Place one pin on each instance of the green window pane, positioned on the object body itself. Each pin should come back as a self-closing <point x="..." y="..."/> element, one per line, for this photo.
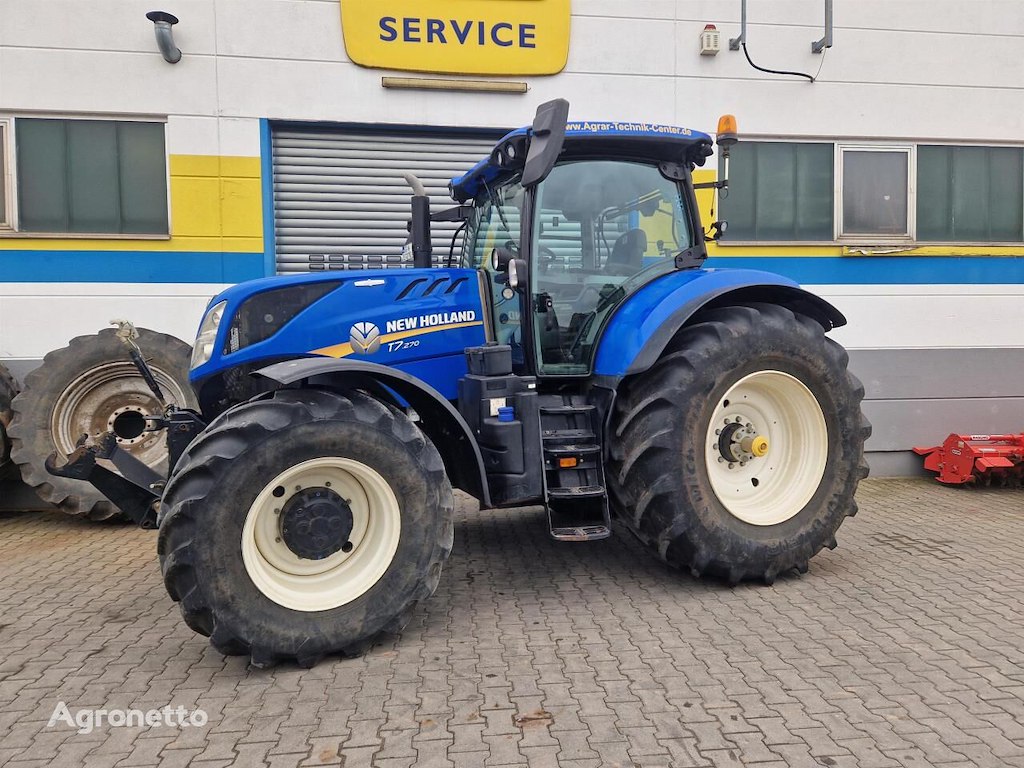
<point x="776" y="192"/>
<point x="934" y="193"/>
<point x="92" y="177"/>
<point x="738" y="206"/>
<point x="814" y="175"/>
<point x="143" y="178"/>
<point x="970" y="194"/>
<point x="1006" y="194"/>
<point x="42" y="175"/>
<point x="779" y="191"/>
<point x="93" y="194"/>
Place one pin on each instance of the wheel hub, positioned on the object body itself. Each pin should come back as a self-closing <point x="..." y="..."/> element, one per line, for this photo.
<point x="738" y="442"/>
<point x="316" y="523"/>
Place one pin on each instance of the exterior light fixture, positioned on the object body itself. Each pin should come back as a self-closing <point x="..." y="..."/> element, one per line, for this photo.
<point x="163" y="22"/>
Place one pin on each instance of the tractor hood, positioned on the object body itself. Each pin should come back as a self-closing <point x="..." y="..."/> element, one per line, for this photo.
<point x="416" y="320"/>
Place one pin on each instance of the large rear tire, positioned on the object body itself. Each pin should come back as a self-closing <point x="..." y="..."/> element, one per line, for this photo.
<point x="8" y="391"/>
<point x="738" y="454"/>
<point x="91" y="387"/>
<point x="305" y="523"/>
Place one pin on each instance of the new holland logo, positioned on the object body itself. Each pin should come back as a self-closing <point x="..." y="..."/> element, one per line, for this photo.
<point x="365" y="338"/>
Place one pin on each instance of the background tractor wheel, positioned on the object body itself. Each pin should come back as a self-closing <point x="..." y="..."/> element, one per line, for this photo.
<point x="8" y="389"/>
<point x="91" y="387"/>
<point x="305" y="523"/>
<point x="738" y="454"/>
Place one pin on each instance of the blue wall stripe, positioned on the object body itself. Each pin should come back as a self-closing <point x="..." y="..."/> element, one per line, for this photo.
<point x="267" y="181"/>
<point x="885" y="270"/>
<point x="128" y="267"/>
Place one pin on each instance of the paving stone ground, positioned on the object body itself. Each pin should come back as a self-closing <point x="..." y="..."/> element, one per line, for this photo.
<point x="904" y="647"/>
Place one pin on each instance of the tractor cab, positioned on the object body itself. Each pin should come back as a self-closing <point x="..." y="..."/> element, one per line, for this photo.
<point x="564" y="248"/>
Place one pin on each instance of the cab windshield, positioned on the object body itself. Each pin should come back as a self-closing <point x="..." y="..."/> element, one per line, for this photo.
<point x="603" y="230"/>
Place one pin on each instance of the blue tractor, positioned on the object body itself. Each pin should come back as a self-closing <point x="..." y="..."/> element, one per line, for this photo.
<point x="577" y="356"/>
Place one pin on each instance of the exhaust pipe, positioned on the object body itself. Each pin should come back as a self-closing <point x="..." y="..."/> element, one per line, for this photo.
<point x="419" y="227"/>
<point x="163" y="22"/>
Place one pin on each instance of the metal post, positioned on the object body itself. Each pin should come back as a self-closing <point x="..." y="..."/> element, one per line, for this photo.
<point x="826" y="41"/>
<point x="735" y="42"/>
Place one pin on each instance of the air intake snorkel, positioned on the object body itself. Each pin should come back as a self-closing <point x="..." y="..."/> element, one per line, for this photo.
<point x="419" y="226"/>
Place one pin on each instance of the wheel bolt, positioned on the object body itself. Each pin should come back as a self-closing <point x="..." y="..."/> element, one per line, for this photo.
<point x="731" y="465"/>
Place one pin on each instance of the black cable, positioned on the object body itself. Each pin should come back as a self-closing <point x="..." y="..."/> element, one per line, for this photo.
<point x="451" y="249"/>
<point x="774" y="71"/>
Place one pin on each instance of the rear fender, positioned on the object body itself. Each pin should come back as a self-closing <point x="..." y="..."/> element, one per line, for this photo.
<point x="643" y="325"/>
<point x="439" y="419"/>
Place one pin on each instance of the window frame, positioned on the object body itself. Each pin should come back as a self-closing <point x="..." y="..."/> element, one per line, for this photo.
<point x="7" y="179"/>
<point x="841" y="236"/>
<point x="908" y="242"/>
<point x="10" y="229"/>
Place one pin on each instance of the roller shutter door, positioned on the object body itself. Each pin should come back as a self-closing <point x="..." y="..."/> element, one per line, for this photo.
<point x="340" y="200"/>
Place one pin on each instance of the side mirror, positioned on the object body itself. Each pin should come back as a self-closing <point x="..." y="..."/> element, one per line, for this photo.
<point x="546" y="139"/>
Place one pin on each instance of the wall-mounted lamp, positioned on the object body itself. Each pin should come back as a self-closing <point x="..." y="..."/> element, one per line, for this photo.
<point x="163" y="22"/>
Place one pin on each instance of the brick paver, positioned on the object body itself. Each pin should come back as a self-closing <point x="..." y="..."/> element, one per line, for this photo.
<point x="904" y="647"/>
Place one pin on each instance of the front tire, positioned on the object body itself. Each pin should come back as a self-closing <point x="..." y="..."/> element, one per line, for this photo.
<point x="255" y="565"/>
<point x="738" y="454"/>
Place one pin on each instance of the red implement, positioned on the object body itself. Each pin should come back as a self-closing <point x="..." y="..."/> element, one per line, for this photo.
<point x="982" y="459"/>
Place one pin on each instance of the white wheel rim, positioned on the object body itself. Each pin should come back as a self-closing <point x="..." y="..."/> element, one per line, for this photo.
<point x="773" y="488"/>
<point x="320" y="585"/>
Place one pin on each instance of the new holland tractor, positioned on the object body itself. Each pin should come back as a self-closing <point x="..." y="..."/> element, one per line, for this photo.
<point x="577" y="357"/>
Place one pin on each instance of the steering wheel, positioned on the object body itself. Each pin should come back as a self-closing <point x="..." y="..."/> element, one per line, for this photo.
<point x="545" y="258"/>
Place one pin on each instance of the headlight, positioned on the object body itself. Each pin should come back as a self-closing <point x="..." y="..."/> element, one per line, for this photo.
<point x="207" y="336"/>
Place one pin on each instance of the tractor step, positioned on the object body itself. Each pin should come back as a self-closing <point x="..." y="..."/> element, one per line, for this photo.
<point x="584" y="533"/>
<point x="579" y="492"/>
<point x="565" y="410"/>
<point x="577" y="500"/>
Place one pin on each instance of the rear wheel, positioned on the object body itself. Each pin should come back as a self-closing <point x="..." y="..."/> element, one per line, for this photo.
<point x="91" y="387"/>
<point x="303" y="524"/>
<point x="738" y="454"/>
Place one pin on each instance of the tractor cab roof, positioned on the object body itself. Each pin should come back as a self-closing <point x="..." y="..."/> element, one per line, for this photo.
<point x="643" y="142"/>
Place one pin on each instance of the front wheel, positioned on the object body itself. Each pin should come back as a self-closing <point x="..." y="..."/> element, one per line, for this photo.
<point x="305" y="523"/>
<point x="738" y="454"/>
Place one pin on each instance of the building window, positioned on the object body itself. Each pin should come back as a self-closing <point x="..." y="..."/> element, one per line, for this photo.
<point x="101" y="177"/>
<point x="876" y="192"/>
<point x="970" y="194"/>
<point x="780" y="191"/>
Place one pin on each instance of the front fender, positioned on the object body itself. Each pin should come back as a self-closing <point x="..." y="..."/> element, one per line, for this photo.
<point x="439" y="419"/>
<point x="643" y="325"/>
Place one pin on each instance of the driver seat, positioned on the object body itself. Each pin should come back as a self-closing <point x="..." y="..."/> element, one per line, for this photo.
<point x="628" y="253"/>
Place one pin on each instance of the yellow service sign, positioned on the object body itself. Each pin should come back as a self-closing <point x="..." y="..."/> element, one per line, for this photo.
<point x="471" y="37"/>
